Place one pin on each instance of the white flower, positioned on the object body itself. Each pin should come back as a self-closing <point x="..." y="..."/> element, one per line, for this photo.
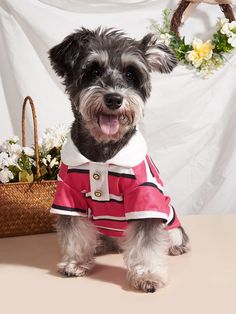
<point x="53" y="163"/>
<point x="44" y="161"/>
<point x="15" y="149"/>
<point x="4" y="160"/>
<point x="225" y="29"/>
<point x="49" y="158"/>
<point x="13" y="159"/>
<point x="6" y="175"/>
<point x="11" y="147"/>
<point x="232" y="41"/>
<point x="6" y="146"/>
<point x="28" y="151"/>
<point x="53" y="137"/>
<point x="165" y="38"/>
<point x="229" y="29"/>
<point x="221" y="22"/>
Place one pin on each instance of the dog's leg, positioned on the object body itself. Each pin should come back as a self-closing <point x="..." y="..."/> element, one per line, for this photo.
<point x="78" y="239"/>
<point x="145" y="252"/>
<point x="179" y="241"/>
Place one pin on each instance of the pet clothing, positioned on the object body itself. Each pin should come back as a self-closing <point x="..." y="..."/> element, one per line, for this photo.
<point x="112" y="193"/>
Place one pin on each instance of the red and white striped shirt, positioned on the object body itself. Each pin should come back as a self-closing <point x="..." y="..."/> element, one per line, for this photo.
<point x="115" y="192"/>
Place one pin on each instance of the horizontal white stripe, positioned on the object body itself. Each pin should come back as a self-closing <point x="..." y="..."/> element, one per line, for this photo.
<point x="113" y="229"/>
<point x="81" y="167"/>
<point x="146" y="214"/>
<point x="111" y="197"/>
<point x="66" y="212"/>
<point x="116" y="197"/>
<point x="119" y="170"/>
<point x="110" y="217"/>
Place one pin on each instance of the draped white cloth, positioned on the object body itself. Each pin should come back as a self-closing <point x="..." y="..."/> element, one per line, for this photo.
<point x="189" y="123"/>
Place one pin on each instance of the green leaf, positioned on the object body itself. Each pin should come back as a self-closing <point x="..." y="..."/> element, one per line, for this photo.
<point x="24" y="176"/>
<point x="43" y="170"/>
<point x="234" y="30"/>
<point x="221" y="44"/>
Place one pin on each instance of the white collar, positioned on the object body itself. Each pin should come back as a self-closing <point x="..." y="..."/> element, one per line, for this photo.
<point x="129" y="156"/>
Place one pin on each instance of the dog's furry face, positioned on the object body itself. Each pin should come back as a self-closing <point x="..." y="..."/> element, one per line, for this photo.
<point x="107" y="76"/>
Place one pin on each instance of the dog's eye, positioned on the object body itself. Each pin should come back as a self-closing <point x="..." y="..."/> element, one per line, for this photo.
<point x="94" y="71"/>
<point x="129" y="76"/>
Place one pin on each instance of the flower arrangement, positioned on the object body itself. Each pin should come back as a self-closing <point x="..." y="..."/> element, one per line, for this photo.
<point x="205" y="57"/>
<point x="18" y="164"/>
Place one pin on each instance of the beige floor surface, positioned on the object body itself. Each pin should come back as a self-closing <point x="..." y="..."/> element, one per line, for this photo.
<point x="202" y="281"/>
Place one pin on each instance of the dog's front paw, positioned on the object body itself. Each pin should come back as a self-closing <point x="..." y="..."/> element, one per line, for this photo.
<point x="74" y="269"/>
<point x="146" y="282"/>
<point x="179" y="250"/>
<point x="179" y="241"/>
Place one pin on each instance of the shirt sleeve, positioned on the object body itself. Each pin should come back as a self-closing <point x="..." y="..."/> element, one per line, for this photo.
<point x="67" y="200"/>
<point x="146" y="199"/>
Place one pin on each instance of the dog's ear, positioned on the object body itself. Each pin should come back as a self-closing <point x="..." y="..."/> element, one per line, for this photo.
<point x="64" y="55"/>
<point x="158" y="56"/>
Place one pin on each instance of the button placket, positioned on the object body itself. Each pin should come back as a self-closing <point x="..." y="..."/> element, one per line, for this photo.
<point x="98" y="174"/>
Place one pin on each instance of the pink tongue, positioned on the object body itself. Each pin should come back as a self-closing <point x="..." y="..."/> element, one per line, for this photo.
<point x="109" y="124"/>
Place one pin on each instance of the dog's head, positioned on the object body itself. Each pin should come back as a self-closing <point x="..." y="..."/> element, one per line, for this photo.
<point x="107" y="76"/>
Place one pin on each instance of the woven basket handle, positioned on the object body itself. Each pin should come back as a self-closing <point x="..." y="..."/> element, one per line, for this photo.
<point x="23" y="125"/>
<point x="183" y="5"/>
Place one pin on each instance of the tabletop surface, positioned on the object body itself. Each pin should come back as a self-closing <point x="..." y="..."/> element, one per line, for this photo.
<point x="202" y="281"/>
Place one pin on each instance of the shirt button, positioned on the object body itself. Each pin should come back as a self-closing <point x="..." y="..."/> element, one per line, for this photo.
<point x="96" y="176"/>
<point x="98" y="193"/>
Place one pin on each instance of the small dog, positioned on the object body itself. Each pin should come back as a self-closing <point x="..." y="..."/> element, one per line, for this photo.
<point x="109" y="195"/>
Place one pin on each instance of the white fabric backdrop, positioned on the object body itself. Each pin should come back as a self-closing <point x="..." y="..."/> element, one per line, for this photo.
<point x="189" y="122"/>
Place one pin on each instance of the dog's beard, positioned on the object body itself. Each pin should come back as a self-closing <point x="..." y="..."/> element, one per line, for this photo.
<point x="109" y="125"/>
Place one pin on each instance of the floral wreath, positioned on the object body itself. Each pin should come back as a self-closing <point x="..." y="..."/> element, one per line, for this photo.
<point x="205" y="57"/>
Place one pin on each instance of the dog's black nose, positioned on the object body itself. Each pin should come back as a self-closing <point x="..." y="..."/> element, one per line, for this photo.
<point x="113" y="100"/>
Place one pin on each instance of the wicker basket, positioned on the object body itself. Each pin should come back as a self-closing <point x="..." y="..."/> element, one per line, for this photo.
<point x="24" y="207"/>
<point x="176" y="20"/>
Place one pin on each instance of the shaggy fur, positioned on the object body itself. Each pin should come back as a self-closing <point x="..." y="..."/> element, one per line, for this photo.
<point x="107" y="75"/>
<point x="93" y="63"/>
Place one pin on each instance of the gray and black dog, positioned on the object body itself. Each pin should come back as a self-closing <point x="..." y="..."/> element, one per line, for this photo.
<point x="107" y="77"/>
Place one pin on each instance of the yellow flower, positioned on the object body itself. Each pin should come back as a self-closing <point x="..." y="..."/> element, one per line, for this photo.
<point x="201" y="51"/>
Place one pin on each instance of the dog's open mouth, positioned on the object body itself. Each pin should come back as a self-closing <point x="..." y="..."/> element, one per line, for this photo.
<point x="108" y="123"/>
